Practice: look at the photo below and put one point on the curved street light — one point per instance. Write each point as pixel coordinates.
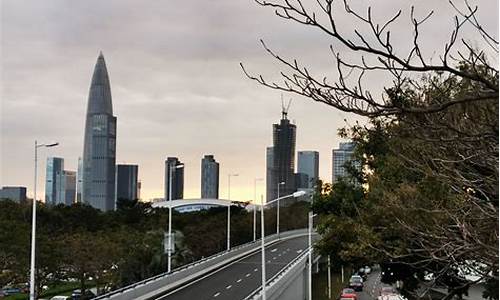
(262, 236)
(172, 167)
(33, 223)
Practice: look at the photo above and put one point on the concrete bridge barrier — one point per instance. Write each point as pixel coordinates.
(160, 284)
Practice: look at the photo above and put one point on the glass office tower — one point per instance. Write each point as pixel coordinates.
(99, 150)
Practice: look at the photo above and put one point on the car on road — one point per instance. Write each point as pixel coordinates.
(348, 293)
(356, 283)
(368, 270)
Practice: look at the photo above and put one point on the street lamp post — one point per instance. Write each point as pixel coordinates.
(33, 223)
(171, 168)
(309, 289)
(262, 248)
(229, 210)
(262, 234)
(278, 210)
(254, 207)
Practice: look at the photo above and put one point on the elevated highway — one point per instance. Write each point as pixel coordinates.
(234, 274)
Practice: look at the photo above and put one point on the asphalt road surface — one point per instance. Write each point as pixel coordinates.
(371, 287)
(238, 279)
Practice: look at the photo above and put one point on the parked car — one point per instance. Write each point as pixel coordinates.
(356, 283)
(348, 293)
(357, 276)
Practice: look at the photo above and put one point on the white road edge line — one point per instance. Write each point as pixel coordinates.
(255, 252)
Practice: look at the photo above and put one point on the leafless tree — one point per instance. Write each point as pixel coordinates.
(451, 120)
(377, 53)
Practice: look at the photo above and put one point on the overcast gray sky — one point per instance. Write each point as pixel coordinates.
(176, 83)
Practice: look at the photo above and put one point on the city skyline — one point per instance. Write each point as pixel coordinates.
(168, 82)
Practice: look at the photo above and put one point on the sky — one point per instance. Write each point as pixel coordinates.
(176, 83)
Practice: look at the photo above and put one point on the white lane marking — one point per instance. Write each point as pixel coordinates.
(216, 295)
(239, 280)
(211, 273)
(274, 257)
(300, 250)
(268, 261)
(279, 255)
(255, 270)
(228, 287)
(274, 250)
(248, 275)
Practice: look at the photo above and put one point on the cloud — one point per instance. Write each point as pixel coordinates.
(177, 86)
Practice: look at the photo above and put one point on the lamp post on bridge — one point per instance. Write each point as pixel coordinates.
(33, 223)
(278, 210)
(254, 207)
(229, 210)
(309, 267)
(262, 235)
(172, 167)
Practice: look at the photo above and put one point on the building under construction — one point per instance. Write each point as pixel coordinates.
(281, 159)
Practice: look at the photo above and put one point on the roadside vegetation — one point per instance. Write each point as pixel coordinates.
(84, 247)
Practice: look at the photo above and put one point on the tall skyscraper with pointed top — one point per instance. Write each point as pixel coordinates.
(99, 148)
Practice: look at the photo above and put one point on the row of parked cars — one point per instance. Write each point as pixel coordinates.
(356, 283)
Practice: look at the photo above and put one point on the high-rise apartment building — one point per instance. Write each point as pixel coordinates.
(283, 157)
(60, 184)
(340, 157)
(54, 180)
(172, 163)
(209, 177)
(67, 188)
(308, 163)
(14, 193)
(99, 148)
(127, 182)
